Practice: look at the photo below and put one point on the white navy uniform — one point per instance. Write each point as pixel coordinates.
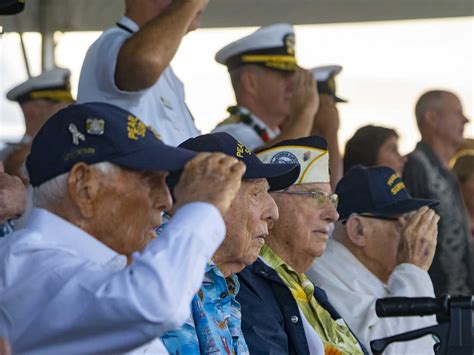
(64, 292)
(271, 47)
(162, 106)
(245, 133)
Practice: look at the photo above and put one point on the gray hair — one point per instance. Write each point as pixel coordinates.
(51, 193)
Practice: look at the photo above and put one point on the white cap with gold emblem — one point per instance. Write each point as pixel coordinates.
(50, 85)
(309, 152)
(271, 46)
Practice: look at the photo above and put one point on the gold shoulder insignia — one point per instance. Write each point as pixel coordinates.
(229, 120)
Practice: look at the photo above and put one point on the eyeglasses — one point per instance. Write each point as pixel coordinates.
(320, 197)
(386, 218)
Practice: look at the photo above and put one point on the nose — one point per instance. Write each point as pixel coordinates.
(270, 212)
(162, 198)
(330, 213)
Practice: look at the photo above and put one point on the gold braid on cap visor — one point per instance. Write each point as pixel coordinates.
(281, 62)
(54, 95)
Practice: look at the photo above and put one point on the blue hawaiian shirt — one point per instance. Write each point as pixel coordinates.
(214, 326)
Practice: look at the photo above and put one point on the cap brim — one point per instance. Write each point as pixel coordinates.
(279, 176)
(161, 158)
(338, 99)
(405, 206)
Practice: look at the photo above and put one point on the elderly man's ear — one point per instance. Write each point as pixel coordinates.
(356, 231)
(83, 186)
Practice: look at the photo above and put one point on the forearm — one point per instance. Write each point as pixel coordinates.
(151, 49)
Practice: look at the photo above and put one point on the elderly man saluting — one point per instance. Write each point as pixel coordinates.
(215, 322)
(282, 311)
(383, 246)
(83, 276)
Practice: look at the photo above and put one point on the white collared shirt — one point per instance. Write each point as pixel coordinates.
(162, 106)
(353, 290)
(64, 292)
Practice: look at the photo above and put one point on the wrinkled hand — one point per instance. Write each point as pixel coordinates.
(326, 120)
(14, 163)
(210, 177)
(418, 240)
(12, 196)
(305, 99)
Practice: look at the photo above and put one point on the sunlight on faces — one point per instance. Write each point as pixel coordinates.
(302, 230)
(247, 222)
(128, 208)
(388, 155)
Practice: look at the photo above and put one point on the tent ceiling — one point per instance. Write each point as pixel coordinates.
(96, 15)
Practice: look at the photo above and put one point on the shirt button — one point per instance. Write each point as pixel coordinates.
(294, 319)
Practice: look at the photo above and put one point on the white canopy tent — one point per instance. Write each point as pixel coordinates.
(49, 16)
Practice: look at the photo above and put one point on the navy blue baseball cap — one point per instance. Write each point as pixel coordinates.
(279, 176)
(377, 191)
(99, 132)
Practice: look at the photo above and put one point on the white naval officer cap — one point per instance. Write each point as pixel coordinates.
(52, 85)
(270, 46)
(325, 79)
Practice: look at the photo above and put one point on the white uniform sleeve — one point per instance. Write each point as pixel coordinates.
(97, 80)
(114, 310)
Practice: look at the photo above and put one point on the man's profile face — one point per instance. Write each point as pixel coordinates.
(450, 119)
(382, 241)
(248, 220)
(303, 226)
(128, 209)
(275, 90)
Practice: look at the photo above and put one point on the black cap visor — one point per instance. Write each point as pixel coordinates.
(159, 158)
(279, 176)
(402, 207)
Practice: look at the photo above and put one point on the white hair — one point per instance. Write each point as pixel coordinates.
(51, 193)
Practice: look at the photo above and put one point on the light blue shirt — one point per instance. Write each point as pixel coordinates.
(214, 326)
(64, 292)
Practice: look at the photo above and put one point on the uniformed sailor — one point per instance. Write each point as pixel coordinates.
(276, 99)
(129, 65)
(39, 98)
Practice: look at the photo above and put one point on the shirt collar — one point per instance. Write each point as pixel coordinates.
(129, 23)
(425, 148)
(272, 133)
(352, 268)
(59, 231)
(270, 258)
